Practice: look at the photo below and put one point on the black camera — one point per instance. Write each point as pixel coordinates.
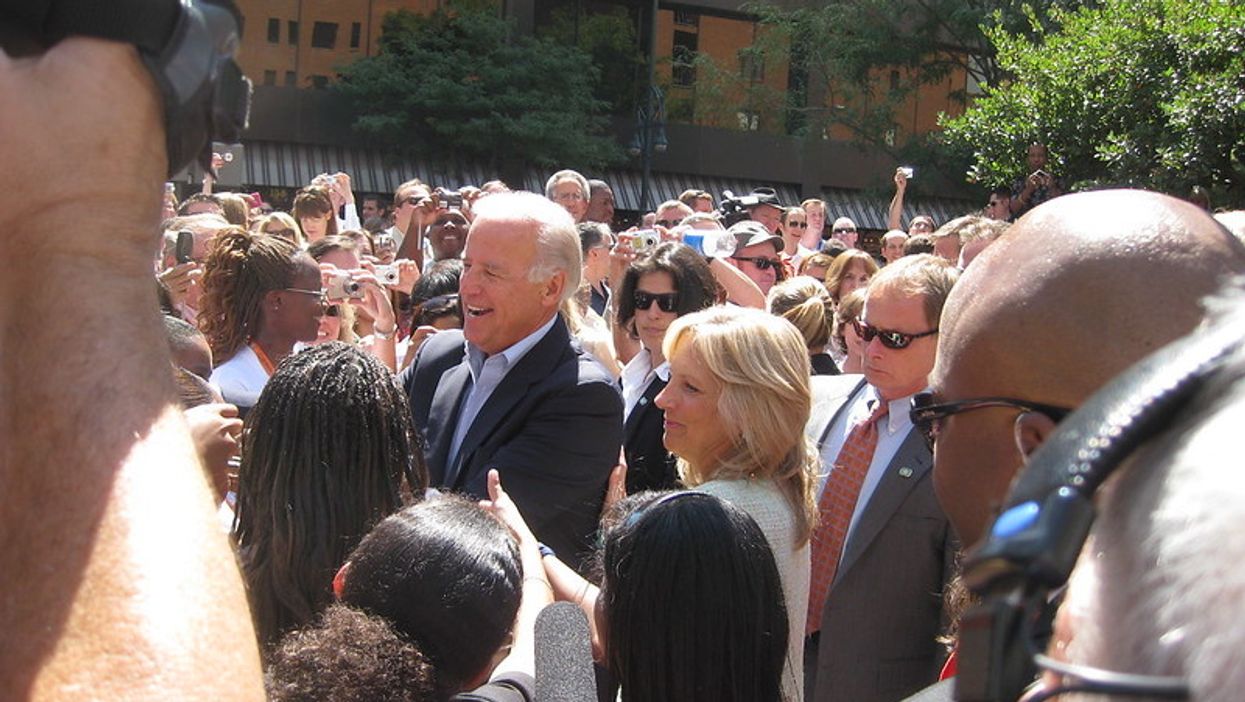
(187, 45)
(734, 209)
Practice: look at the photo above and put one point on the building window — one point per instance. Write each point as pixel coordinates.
(291, 79)
(274, 30)
(683, 68)
(324, 35)
(356, 30)
(894, 81)
(749, 121)
(686, 18)
(270, 77)
(751, 65)
(293, 32)
(319, 82)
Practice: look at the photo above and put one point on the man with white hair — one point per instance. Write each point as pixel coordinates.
(517, 395)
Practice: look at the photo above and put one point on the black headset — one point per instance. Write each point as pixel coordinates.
(1034, 543)
(187, 45)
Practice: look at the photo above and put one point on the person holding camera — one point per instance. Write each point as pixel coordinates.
(1037, 187)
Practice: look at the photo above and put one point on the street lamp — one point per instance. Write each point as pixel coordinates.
(650, 136)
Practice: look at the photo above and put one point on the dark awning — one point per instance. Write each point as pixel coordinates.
(871, 212)
(289, 165)
(628, 184)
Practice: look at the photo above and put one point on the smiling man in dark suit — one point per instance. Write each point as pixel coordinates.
(518, 395)
(883, 549)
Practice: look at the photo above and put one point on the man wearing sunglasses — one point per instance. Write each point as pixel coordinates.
(1072, 294)
(884, 549)
(757, 253)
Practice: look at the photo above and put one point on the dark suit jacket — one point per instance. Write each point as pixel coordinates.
(649, 465)
(884, 611)
(553, 428)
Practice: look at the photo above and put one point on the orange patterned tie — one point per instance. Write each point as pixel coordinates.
(835, 508)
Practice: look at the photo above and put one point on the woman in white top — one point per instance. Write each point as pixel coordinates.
(735, 409)
(261, 295)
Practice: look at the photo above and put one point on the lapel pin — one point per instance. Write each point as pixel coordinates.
(644, 400)
(905, 472)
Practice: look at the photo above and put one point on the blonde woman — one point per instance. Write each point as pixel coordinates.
(805, 303)
(735, 409)
(280, 224)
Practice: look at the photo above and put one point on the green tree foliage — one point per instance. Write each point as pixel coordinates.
(608, 36)
(1147, 93)
(461, 82)
(842, 53)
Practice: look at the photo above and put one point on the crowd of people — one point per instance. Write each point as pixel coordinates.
(751, 453)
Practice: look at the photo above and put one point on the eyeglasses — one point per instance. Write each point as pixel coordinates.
(668, 223)
(890, 339)
(332, 311)
(568, 197)
(285, 233)
(844, 230)
(665, 301)
(797, 225)
(760, 262)
(927, 416)
(321, 295)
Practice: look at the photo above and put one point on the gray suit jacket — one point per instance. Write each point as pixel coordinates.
(884, 611)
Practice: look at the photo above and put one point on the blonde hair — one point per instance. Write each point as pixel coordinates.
(763, 367)
(926, 276)
(804, 302)
(286, 222)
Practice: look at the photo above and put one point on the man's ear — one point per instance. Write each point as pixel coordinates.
(553, 289)
(1031, 430)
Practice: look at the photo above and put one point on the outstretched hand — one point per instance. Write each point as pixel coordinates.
(501, 506)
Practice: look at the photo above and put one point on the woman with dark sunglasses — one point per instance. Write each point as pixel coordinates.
(656, 289)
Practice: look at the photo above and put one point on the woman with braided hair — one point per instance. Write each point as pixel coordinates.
(328, 453)
(261, 295)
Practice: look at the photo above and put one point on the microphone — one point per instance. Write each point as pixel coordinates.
(564, 655)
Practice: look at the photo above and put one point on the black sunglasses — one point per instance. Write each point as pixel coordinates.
(890, 339)
(666, 302)
(844, 230)
(668, 223)
(927, 416)
(797, 225)
(761, 262)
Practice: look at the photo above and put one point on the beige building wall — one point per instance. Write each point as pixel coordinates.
(303, 42)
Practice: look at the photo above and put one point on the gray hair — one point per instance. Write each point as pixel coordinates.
(1158, 587)
(567, 174)
(557, 240)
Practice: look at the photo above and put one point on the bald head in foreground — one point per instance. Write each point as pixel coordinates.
(1077, 290)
